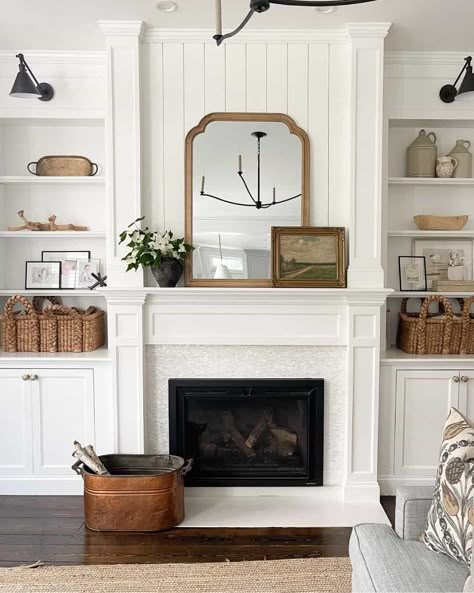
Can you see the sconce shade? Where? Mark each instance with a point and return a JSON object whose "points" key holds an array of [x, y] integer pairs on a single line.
{"points": [[24, 87], [466, 90], [222, 272]]}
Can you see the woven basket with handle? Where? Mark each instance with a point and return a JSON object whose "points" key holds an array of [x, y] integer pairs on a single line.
{"points": [[48, 340], [424, 333], [20, 331], [69, 330], [467, 343]]}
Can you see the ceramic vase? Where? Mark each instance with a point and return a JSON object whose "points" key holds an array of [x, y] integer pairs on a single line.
{"points": [[168, 273], [446, 166], [456, 273], [464, 158], [421, 155]]}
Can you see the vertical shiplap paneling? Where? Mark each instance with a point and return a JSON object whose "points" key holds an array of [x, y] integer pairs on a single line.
{"points": [[318, 130], [235, 77], [153, 153], [214, 75], [339, 135], [298, 83], [173, 135], [256, 77], [277, 78], [194, 93]]}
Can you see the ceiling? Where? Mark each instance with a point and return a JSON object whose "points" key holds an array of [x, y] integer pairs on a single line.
{"points": [[63, 24]]}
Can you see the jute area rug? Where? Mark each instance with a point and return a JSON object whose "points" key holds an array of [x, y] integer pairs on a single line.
{"points": [[312, 575]]}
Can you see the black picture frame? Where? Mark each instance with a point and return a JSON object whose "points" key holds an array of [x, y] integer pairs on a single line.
{"points": [[423, 282], [51, 286]]}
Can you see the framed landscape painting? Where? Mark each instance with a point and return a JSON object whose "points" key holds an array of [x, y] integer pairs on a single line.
{"points": [[309, 257]]}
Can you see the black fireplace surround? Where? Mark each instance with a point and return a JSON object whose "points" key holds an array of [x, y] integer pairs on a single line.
{"points": [[248, 432]]}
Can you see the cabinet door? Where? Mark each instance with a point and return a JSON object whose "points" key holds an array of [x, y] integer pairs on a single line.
{"points": [[15, 414], [466, 393], [423, 399], [63, 411]]}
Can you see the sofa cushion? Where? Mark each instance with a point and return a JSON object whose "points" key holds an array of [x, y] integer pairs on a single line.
{"points": [[382, 562], [449, 523]]}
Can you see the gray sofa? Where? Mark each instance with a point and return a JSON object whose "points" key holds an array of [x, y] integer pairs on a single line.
{"points": [[384, 560]]}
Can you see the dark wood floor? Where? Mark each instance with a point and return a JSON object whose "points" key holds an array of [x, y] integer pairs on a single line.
{"points": [[51, 529]]}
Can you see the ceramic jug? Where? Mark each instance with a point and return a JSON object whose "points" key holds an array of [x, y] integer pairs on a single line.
{"points": [[446, 166], [464, 158], [421, 155]]}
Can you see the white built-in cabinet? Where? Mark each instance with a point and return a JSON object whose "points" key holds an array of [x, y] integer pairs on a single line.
{"points": [[49, 408], [413, 409]]}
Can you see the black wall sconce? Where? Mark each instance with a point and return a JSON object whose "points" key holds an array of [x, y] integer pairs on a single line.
{"points": [[26, 86], [466, 91]]}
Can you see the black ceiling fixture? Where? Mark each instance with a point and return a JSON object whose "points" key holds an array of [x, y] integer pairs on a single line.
{"points": [[255, 203], [264, 5], [26, 85], [466, 91]]}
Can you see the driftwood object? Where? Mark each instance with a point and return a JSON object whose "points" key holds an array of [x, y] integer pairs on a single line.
{"points": [[45, 226]]}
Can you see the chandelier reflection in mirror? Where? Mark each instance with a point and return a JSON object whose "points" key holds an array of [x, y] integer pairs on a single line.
{"points": [[264, 5], [255, 203]]}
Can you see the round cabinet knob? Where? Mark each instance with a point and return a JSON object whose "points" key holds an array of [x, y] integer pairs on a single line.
{"points": [[456, 379], [26, 377], [464, 379], [34, 377]]}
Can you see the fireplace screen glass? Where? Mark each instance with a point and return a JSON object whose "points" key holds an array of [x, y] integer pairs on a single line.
{"points": [[248, 433]]}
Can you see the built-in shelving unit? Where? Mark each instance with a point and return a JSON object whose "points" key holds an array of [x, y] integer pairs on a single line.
{"points": [[407, 197]]}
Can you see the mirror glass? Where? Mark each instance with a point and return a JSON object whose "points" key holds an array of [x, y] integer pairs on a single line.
{"points": [[246, 178]]}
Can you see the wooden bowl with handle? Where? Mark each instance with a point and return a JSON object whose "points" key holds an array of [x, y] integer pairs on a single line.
{"points": [[427, 222]]}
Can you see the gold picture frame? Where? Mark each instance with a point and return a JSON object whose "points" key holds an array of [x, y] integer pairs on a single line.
{"points": [[309, 257]]}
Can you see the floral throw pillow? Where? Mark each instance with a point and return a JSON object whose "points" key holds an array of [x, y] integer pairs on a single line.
{"points": [[451, 517]]}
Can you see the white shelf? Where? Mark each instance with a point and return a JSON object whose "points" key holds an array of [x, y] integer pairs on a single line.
{"points": [[53, 292], [50, 180], [394, 355], [99, 355], [415, 233], [432, 181], [52, 235], [423, 295]]}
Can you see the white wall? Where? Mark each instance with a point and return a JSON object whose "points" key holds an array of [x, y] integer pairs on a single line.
{"points": [[184, 80]]}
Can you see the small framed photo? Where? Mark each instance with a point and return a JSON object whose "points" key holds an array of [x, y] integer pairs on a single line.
{"points": [[412, 270], [40, 275], [68, 260], [84, 270], [309, 257]]}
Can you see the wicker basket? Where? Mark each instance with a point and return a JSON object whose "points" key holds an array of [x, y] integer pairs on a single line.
{"points": [[20, 332], [423, 333], [47, 341], [467, 343], [69, 330]]}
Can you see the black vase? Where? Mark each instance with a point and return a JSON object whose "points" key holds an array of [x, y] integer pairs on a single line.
{"points": [[168, 272]]}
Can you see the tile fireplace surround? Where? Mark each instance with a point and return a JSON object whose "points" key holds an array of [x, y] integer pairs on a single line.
{"points": [[257, 333]]}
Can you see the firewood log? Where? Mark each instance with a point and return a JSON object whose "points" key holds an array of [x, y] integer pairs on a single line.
{"points": [[286, 441], [97, 468], [259, 428], [229, 426], [89, 449]]}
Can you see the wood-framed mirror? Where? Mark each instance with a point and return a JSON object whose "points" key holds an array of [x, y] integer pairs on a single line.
{"points": [[245, 172]]}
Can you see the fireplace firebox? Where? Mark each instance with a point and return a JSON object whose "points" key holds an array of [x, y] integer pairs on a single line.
{"points": [[248, 432]]}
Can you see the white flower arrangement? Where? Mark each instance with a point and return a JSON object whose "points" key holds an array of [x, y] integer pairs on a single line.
{"points": [[149, 248]]}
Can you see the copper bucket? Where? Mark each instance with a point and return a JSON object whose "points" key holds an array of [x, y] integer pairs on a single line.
{"points": [[142, 493]]}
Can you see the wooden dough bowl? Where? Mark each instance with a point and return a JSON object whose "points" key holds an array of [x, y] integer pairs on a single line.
{"points": [[426, 222]]}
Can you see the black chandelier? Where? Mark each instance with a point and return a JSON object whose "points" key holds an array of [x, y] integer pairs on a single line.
{"points": [[256, 203], [264, 5]]}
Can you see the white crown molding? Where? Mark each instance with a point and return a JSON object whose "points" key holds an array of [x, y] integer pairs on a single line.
{"points": [[122, 28], [426, 58], [54, 57], [329, 36], [368, 30]]}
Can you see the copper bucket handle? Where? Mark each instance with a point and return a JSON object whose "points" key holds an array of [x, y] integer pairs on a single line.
{"points": [[187, 467], [78, 467]]}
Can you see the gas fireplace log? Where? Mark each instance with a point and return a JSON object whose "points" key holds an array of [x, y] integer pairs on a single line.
{"points": [[79, 453], [285, 440], [259, 428], [229, 426]]}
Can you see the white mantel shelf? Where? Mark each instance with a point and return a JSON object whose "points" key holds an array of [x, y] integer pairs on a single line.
{"points": [[262, 296]]}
